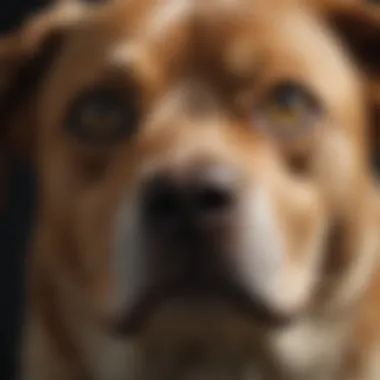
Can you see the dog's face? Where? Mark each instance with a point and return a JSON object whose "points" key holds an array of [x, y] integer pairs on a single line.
{"points": [[198, 156]]}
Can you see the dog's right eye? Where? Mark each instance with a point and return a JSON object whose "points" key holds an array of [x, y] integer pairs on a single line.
{"points": [[103, 116]]}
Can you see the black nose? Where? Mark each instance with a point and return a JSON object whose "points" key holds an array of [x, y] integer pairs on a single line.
{"points": [[200, 196]]}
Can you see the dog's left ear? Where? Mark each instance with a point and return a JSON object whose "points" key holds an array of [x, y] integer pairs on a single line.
{"points": [[357, 23]]}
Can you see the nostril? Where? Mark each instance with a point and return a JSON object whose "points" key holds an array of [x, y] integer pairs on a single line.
{"points": [[211, 200], [173, 201], [162, 202], [163, 205]]}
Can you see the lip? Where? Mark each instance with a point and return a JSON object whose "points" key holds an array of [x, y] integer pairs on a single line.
{"points": [[195, 293]]}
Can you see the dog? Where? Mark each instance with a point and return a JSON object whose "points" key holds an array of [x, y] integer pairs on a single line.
{"points": [[206, 205]]}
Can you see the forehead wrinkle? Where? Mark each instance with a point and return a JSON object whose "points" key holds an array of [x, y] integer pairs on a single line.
{"points": [[166, 14], [160, 20], [160, 34], [166, 17], [182, 22]]}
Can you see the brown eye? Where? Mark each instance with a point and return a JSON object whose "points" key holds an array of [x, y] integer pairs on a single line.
{"points": [[103, 116], [289, 109]]}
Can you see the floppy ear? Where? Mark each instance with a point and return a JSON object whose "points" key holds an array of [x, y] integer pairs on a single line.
{"points": [[357, 22], [25, 55], [24, 58]]}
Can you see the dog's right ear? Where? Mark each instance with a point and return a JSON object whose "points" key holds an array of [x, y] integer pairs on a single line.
{"points": [[25, 56]]}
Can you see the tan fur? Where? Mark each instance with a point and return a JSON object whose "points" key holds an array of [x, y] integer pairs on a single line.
{"points": [[313, 197]]}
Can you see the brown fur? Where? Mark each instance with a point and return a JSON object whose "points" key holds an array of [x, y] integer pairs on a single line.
{"points": [[319, 185]]}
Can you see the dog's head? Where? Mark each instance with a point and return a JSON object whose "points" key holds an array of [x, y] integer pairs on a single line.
{"points": [[204, 155]]}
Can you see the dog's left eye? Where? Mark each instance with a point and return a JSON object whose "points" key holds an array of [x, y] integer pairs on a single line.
{"points": [[103, 116], [288, 109]]}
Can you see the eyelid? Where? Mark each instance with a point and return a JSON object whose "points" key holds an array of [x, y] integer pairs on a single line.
{"points": [[306, 90], [111, 97], [262, 117]]}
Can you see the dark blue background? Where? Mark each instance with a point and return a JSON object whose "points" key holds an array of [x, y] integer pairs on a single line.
{"points": [[14, 223]]}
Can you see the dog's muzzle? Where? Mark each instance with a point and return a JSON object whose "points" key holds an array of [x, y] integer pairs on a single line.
{"points": [[190, 217]]}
